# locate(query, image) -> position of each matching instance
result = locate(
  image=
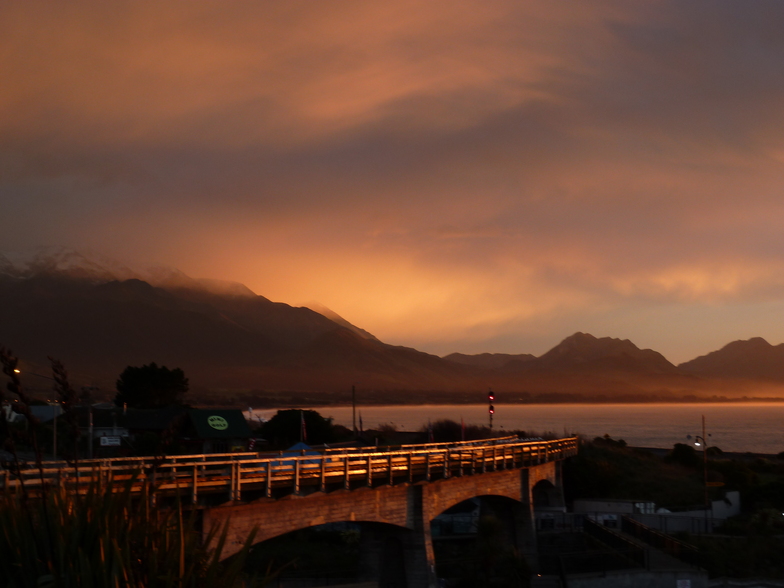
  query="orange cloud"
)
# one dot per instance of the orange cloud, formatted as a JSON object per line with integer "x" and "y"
{"x": 495, "y": 174}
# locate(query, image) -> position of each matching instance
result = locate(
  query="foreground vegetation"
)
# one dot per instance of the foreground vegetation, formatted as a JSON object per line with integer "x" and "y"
{"x": 108, "y": 539}
{"x": 56, "y": 538}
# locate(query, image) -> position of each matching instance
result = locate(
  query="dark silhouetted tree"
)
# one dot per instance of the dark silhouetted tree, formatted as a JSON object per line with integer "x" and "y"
{"x": 285, "y": 428}
{"x": 684, "y": 455}
{"x": 151, "y": 386}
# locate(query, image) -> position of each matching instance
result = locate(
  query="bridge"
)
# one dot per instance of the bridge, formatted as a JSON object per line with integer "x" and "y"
{"x": 395, "y": 492}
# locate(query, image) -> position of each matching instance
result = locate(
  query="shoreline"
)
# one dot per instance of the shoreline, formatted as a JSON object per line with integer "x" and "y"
{"x": 320, "y": 403}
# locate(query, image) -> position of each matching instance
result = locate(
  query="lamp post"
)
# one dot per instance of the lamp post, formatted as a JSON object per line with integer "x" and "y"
{"x": 703, "y": 439}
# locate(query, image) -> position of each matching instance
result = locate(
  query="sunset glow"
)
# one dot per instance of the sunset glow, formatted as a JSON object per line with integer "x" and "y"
{"x": 449, "y": 175}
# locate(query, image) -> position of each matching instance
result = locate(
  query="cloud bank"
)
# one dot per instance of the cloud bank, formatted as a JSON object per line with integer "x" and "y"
{"x": 455, "y": 176}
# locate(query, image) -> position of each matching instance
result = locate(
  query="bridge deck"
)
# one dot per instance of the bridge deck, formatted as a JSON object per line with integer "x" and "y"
{"x": 233, "y": 474}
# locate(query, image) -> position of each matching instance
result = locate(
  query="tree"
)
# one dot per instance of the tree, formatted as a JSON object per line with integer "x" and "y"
{"x": 285, "y": 428}
{"x": 150, "y": 386}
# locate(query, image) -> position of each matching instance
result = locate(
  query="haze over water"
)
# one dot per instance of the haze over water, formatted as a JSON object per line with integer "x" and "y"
{"x": 755, "y": 427}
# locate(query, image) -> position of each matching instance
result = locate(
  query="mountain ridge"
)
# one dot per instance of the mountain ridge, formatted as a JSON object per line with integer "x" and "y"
{"x": 747, "y": 358}
{"x": 226, "y": 337}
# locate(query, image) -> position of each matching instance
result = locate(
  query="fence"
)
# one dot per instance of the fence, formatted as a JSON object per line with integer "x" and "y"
{"x": 678, "y": 549}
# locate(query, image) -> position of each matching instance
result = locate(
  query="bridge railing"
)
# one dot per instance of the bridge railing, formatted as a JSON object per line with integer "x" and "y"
{"x": 235, "y": 473}
{"x": 426, "y": 446}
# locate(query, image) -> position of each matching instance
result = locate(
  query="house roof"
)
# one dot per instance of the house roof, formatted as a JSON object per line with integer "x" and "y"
{"x": 219, "y": 423}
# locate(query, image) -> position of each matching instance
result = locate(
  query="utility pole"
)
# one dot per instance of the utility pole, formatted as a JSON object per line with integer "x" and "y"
{"x": 705, "y": 471}
{"x": 704, "y": 440}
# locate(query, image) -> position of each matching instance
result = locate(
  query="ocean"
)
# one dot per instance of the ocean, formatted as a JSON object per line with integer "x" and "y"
{"x": 738, "y": 427}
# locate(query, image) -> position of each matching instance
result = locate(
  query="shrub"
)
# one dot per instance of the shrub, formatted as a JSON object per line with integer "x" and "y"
{"x": 684, "y": 455}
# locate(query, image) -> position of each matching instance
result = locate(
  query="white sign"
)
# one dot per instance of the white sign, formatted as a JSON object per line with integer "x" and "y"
{"x": 110, "y": 441}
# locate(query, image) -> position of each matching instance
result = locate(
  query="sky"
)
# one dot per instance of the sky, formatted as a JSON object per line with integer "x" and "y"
{"x": 450, "y": 175}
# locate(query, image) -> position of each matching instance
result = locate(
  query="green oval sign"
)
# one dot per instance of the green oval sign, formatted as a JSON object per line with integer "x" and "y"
{"x": 217, "y": 422}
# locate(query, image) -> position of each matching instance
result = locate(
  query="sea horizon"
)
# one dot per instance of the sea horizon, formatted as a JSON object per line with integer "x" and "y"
{"x": 752, "y": 426}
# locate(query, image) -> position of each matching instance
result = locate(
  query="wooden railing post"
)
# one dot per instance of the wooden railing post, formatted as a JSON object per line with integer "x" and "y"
{"x": 323, "y": 483}
{"x": 296, "y": 476}
{"x": 391, "y": 470}
{"x": 346, "y": 480}
{"x": 153, "y": 477}
{"x": 195, "y": 489}
{"x": 238, "y": 496}
{"x": 268, "y": 491}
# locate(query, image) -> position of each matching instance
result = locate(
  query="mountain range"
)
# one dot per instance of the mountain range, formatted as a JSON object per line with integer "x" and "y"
{"x": 98, "y": 317}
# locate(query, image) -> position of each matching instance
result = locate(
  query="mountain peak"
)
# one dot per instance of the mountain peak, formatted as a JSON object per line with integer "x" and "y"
{"x": 583, "y": 349}
{"x": 755, "y": 343}
{"x": 590, "y": 346}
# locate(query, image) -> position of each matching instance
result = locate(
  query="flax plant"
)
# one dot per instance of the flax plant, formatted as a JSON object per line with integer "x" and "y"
{"x": 108, "y": 538}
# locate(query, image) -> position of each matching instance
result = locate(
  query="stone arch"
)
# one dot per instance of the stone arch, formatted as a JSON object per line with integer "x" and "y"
{"x": 262, "y": 535}
{"x": 499, "y": 521}
{"x": 491, "y": 496}
{"x": 277, "y": 517}
{"x": 443, "y": 494}
{"x": 545, "y": 494}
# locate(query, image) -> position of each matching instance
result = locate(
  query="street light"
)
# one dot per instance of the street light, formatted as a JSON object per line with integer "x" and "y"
{"x": 702, "y": 440}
